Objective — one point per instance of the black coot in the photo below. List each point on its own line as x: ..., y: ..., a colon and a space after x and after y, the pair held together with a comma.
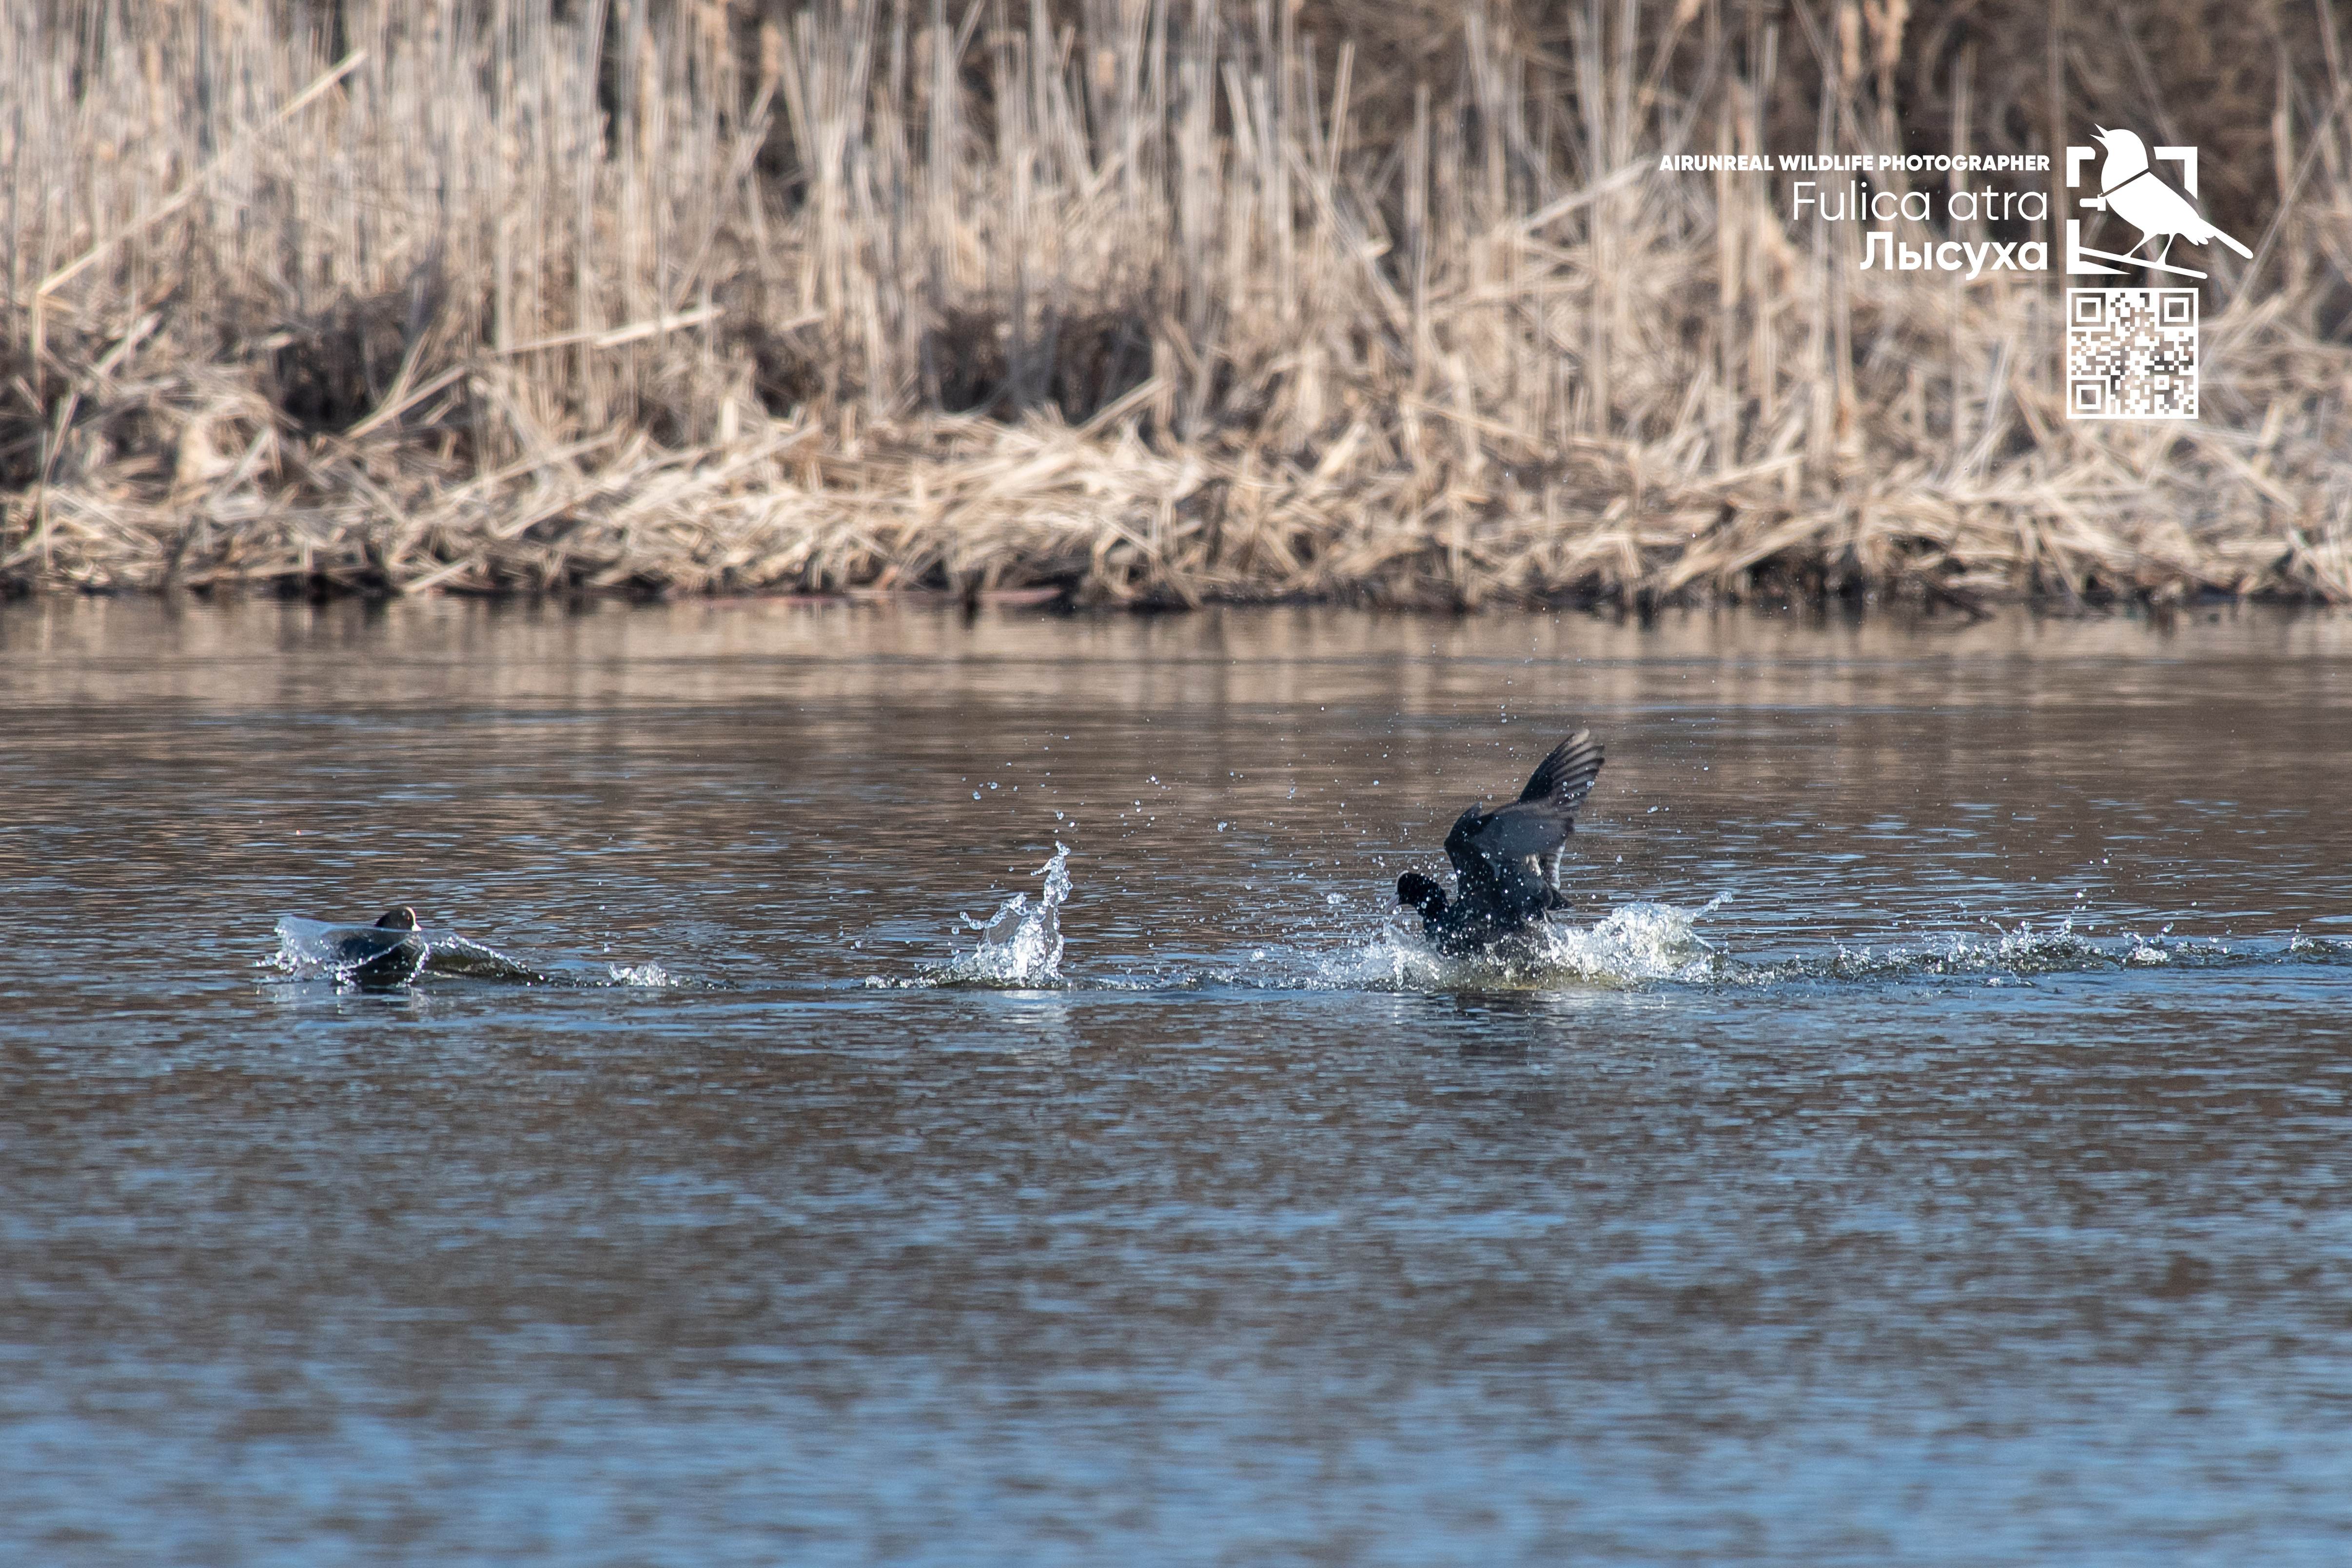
x: 384, y: 955
x: 1507, y: 862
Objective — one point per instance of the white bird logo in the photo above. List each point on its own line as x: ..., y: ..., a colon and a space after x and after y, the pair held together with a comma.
x: 2130, y: 189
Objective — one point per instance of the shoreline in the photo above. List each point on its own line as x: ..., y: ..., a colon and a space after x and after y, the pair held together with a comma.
x: 965, y: 507
x: 1854, y: 614
x: 1095, y: 528
x: 478, y: 300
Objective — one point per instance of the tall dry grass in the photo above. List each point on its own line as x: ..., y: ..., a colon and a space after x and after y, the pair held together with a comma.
x: 1139, y: 299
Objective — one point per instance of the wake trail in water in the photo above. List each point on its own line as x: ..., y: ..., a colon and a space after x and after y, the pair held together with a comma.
x: 1649, y: 945
x: 1637, y: 945
x: 2024, y: 953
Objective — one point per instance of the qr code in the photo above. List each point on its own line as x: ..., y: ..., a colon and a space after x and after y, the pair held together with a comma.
x: 2131, y: 353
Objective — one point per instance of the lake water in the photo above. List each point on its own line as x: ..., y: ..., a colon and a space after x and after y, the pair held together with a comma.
x: 1928, y: 1142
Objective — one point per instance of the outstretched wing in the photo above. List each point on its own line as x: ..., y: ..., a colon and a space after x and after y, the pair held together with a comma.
x: 1504, y: 851
x: 1565, y: 777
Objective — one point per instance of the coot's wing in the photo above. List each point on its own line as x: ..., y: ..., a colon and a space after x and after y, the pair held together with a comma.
x: 1563, y: 779
x: 1518, y: 832
x: 1471, y: 871
x: 1539, y: 821
x: 1510, y: 848
x: 1512, y: 845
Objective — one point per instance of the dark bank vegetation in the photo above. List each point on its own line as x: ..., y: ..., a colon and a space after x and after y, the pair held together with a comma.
x: 1144, y: 300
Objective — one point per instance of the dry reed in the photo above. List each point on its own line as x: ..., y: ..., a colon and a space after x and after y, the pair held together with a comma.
x: 1140, y: 304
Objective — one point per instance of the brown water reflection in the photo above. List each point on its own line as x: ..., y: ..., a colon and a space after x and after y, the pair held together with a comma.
x: 1977, y: 1246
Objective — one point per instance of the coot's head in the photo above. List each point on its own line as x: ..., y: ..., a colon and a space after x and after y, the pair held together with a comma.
x: 1417, y: 891
x: 401, y: 919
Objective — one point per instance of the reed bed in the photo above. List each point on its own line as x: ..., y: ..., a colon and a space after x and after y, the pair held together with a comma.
x: 1141, y: 302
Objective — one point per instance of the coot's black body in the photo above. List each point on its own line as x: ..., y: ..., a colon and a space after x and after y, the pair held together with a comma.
x: 385, y: 955
x: 1507, y: 862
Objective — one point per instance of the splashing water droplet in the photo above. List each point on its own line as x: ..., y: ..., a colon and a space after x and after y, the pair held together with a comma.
x: 1021, y: 944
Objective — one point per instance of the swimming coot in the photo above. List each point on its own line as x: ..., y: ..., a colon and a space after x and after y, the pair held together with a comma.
x: 1507, y: 862
x: 384, y: 955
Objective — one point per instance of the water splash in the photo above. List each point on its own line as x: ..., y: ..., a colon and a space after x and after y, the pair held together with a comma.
x: 1021, y: 944
x: 1637, y: 945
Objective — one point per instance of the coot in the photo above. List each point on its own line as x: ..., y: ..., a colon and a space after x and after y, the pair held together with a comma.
x: 384, y: 955
x: 1507, y: 862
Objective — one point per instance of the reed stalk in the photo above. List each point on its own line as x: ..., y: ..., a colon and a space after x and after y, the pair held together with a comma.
x: 1132, y: 300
